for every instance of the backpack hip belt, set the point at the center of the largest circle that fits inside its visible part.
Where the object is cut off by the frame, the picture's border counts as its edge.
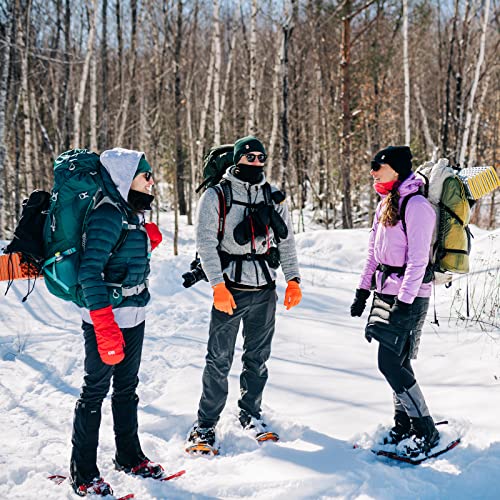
(129, 291)
(399, 271)
(226, 258)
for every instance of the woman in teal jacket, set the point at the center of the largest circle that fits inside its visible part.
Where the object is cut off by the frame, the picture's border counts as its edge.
(113, 279)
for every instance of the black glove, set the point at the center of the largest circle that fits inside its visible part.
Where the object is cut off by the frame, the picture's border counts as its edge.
(359, 303)
(400, 313)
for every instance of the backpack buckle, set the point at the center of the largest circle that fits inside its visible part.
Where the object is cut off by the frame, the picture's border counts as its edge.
(116, 295)
(83, 195)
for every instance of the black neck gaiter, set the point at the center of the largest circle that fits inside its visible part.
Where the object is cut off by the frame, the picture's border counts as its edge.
(248, 173)
(140, 201)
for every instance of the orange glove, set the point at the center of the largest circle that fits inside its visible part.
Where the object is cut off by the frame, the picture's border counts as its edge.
(293, 295)
(109, 337)
(154, 234)
(223, 299)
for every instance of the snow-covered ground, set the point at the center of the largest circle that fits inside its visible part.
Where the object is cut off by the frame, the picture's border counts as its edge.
(324, 393)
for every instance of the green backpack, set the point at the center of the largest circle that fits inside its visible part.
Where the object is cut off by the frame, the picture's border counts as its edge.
(78, 188)
(215, 163)
(452, 237)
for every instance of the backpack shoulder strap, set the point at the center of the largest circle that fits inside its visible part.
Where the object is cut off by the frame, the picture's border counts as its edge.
(404, 203)
(225, 195)
(266, 191)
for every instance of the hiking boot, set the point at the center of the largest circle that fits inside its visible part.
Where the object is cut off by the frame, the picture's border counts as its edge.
(424, 436)
(96, 487)
(401, 429)
(202, 435)
(258, 427)
(248, 422)
(145, 469)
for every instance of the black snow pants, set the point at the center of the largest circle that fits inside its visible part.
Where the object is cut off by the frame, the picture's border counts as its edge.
(257, 310)
(397, 369)
(124, 401)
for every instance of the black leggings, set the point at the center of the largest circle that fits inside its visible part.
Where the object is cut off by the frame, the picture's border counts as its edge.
(396, 369)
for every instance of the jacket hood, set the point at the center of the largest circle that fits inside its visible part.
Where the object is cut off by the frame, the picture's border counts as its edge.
(229, 175)
(121, 165)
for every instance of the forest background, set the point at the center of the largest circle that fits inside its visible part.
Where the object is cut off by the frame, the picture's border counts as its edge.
(324, 84)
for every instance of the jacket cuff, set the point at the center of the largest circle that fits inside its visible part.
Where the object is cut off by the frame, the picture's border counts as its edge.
(217, 280)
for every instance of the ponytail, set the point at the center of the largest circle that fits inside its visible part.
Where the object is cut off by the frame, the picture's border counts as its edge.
(390, 207)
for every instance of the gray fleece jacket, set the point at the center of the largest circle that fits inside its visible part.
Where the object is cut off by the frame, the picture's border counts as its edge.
(207, 221)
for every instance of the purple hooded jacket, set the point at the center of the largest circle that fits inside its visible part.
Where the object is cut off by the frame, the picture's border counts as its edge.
(391, 246)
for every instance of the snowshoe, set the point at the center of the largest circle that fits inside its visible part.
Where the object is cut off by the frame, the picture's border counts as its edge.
(97, 487)
(201, 441)
(424, 437)
(257, 427)
(145, 469)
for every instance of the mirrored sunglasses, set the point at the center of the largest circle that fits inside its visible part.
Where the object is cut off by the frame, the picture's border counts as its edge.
(148, 176)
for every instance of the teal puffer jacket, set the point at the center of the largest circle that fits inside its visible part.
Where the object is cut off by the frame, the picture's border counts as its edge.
(102, 264)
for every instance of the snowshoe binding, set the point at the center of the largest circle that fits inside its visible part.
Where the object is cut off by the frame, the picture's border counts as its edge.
(97, 487)
(145, 469)
(258, 427)
(201, 441)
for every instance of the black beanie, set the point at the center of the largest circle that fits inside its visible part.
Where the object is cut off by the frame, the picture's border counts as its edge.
(247, 145)
(398, 157)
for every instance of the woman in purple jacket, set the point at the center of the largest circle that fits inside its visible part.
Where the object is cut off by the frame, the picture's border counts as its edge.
(396, 267)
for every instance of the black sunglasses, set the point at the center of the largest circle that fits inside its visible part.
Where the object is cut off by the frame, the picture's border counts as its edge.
(375, 166)
(251, 157)
(148, 176)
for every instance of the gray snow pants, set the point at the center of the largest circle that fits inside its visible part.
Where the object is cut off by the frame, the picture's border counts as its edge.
(257, 309)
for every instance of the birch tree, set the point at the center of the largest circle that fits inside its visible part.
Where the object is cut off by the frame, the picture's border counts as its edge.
(475, 81)
(23, 42)
(9, 31)
(85, 73)
(406, 66)
(217, 70)
(252, 97)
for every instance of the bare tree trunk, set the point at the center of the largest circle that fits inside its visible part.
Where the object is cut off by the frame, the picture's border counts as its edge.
(119, 37)
(228, 67)
(176, 217)
(24, 46)
(462, 64)
(4, 81)
(67, 74)
(447, 111)
(192, 163)
(475, 125)
(273, 165)
(126, 98)
(345, 141)
(431, 146)
(103, 136)
(480, 59)
(204, 110)
(287, 30)
(251, 124)
(406, 66)
(85, 72)
(93, 102)
(179, 153)
(217, 69)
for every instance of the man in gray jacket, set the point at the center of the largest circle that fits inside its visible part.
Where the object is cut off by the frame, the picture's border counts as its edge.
(240, 267)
